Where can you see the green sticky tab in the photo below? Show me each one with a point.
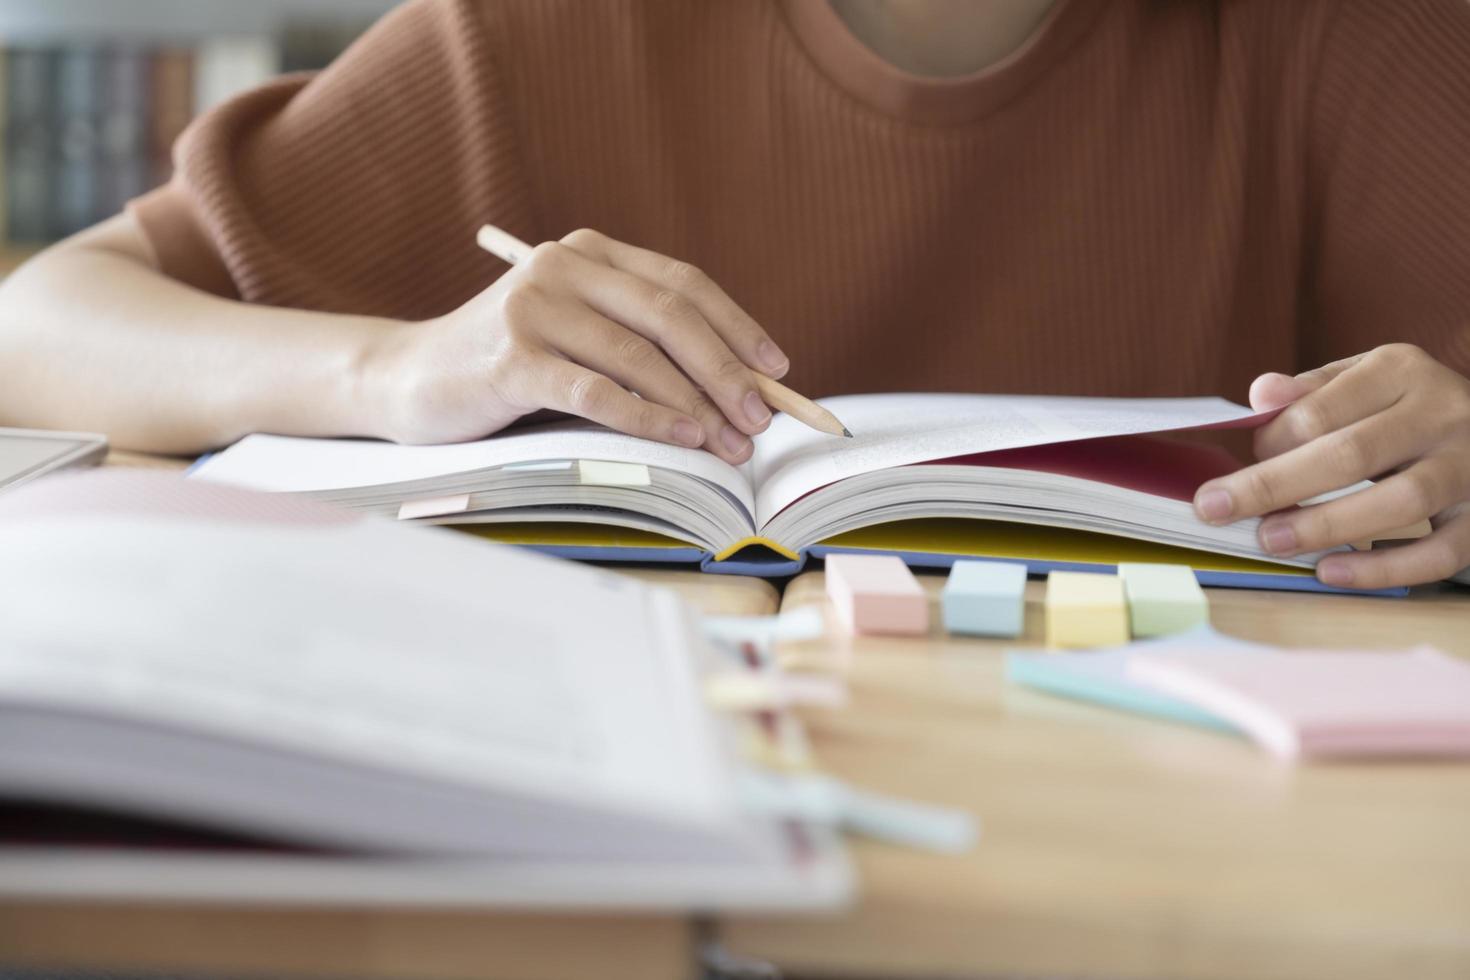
(1163, 599)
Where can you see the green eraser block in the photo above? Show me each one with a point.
(1163, 599)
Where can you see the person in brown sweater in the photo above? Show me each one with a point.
(1103, 197)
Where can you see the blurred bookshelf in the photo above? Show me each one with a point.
(93, 93)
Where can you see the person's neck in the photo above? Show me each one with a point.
(943, 38)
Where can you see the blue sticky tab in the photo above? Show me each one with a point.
(985, 598)
(1101, 676)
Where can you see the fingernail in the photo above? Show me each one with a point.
(771, 357)
(1278, 539)
(1338, 573)
(1214, 505)
(687, 433)
(756, 410)
(734, 440)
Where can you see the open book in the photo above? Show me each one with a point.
(387, 714)
(1057, 482)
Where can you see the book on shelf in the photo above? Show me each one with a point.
(249, 710)
(170, 107)
(87, 127)
(90, 124)
(76, 163)
(30, 137)
(1060, 483)
(123, 169)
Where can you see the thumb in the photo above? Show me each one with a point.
(1272, 390)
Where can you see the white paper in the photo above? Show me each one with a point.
(899, 429)
(285, 463)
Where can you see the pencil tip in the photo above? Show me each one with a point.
(846, 432)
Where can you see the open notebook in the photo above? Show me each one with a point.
(387, 715)
(1060, 483)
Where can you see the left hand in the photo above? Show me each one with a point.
(1394, 414)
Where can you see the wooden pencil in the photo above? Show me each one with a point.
(510, 249)
(799, 407)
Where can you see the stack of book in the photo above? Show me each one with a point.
(90, 124)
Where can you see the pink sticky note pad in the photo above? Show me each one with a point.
(1327, 703)
(877, 594)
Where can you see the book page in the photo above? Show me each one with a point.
(285, 463)
(408, 649)
(899, 429)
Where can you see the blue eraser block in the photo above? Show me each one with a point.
(985, 598)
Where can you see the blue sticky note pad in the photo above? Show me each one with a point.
(1101, 676)
(985, 598)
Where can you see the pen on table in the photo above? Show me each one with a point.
(511, 249)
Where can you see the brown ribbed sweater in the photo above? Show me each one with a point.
(1151, 197)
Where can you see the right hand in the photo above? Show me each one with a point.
(578, 327)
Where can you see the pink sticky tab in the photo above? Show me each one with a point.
(433, 506)
(1326, 703)
(877, 594)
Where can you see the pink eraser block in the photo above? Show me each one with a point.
(877, 594)
(1326, 703)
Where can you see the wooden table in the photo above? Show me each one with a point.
(1113, 846)
(1116, 846)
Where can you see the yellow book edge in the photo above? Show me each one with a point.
(960, 537)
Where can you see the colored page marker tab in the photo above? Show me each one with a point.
(433, 507)
(877, 594)
(604, 473)
(985, 598)
(826, 801)
(794, 625)
(767, 692)
(1163, 599)
(539, 466)
(1085, 610)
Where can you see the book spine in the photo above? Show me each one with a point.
(309, 45)
(126, 154)
(78, 146)
(171, 99)
(4, 140)
(28, 138)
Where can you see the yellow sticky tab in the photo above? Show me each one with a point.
(782, 755)
(604, 473)
(779, 549)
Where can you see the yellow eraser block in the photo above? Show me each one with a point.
(1085, 610)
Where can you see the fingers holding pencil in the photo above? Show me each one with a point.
(732, 324)
(680, 325)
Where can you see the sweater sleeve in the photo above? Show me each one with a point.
(354, 190)
(1388, 182)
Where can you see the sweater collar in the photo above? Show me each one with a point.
(854, 67)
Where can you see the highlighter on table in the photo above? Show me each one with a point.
(507, 247)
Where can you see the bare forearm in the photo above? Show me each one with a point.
(92, 338)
